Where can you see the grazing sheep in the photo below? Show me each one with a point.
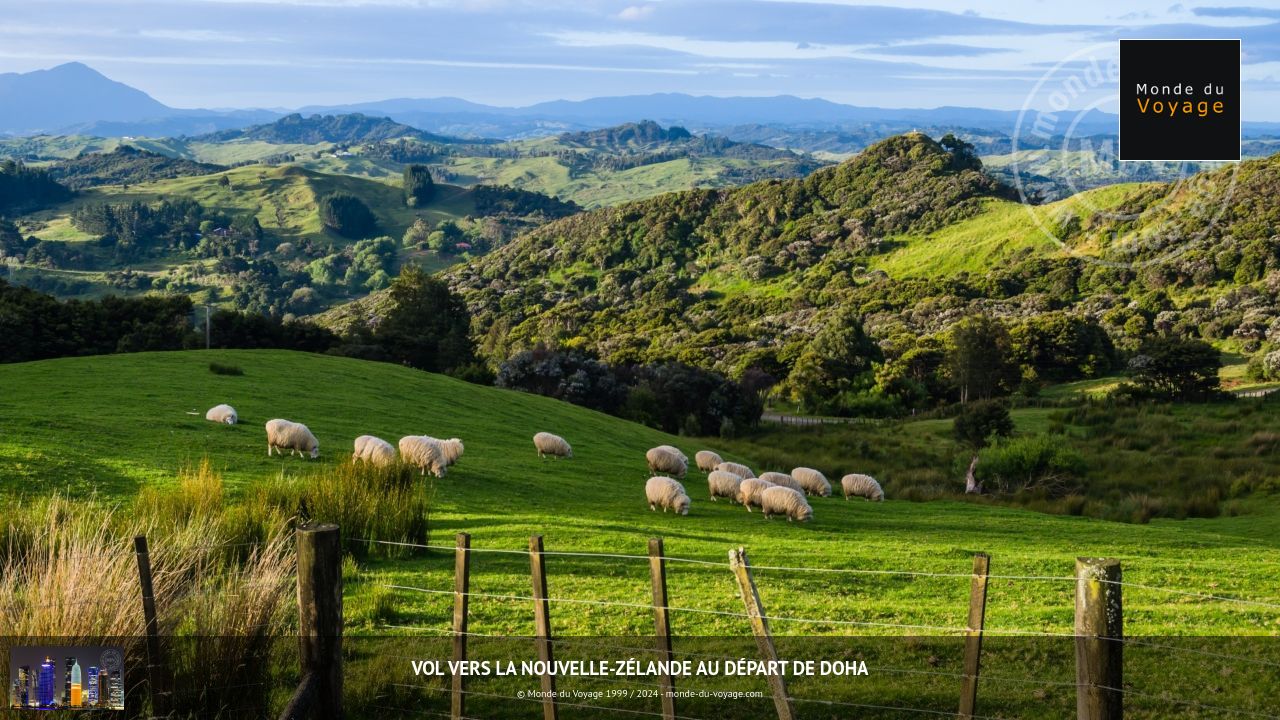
(222, 414)
(863, 486)
(783, 479)
(749, 492)
(666, 459)
(295, 437)
(785, 501)
(723, 484)
(452, 450)
(668, 494)
(813, 482)
(707, 460)
(738, 469)
(552, 445)
(373, 450)
(677, 451)
(424, 453)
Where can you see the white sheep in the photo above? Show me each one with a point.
(738, 469)
(452, 450)
(863, 486)
(424, 453)
(749, 491)
(222, 414)
(813, 482)
(783, 479)
(295, 437)
(677, 451)
(666, 493)
(785, 501)
(707, 460)
(723, 484)
(666, 459)
(373, 450)
(553, 445)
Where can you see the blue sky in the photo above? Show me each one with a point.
(910, 53)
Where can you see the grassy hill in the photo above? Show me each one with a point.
(107, 426)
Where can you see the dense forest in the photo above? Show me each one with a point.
(346, 128)
(25, 189)
(127, 165)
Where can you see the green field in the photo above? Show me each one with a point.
(106, 426)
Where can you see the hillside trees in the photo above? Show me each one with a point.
(24, 189)
(418, 186)
(974, 427)
(347, 215)
(1174, 368)
(832, 363)
(427, 326)
(979, 360)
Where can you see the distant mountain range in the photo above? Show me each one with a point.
(76, 99)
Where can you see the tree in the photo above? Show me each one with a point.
(839, 353)
(980, 358)
(974, 427)
(347, 215)
(418, 186)
(427, 326)
(1174, 368)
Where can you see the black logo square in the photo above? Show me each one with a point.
(1179, 99)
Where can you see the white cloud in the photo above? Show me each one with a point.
(635, 12)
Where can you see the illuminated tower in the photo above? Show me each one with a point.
(91, 688)
(66, 682)
(77, 685)
(24, 692)
(44, 688)
(116, 691)
(104, 688)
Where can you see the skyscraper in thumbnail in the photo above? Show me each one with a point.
(104, 688)
(24, 686)
(66, 682)
(77, 685)
(91, 687)
(117, 691)
(45, 686)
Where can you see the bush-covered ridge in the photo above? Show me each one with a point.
(348, 128)
(127, 165)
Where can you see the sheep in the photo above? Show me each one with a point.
(222, 414)
(452, 450)
(373, 450)
(676, 451)
(785, 501)
(749, 491)
(863, 486)
(666, 493)
(783, 479)
(295, 437)
(723, 484)
(707, 460)
(738, 469)
(813, 482)
(424, 453)
(663, 459)
(552, 445)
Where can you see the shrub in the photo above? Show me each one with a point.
(220, 369)
(347, 215)
(1033, 463)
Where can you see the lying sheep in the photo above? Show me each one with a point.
(749, 491)
(424, 453)
(452, 450)
(222, 414)
(785, 501)
(295, 437)
(738, 469)
(666, 459)
(723, 484)
(552, 445)
(373, 450)
(783, 479)
(663, 492)
(863, 486)
(707, 460)
(813, 482)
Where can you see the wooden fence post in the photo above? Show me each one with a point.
(155, 664)
(320, 617)
(461, 588)
(760, 627)
(662, 624)
(973, 636)
(542, 626)
(1099, 640)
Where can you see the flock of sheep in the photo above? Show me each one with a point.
(775, 493)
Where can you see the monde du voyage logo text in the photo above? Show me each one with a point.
(1180, 100)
